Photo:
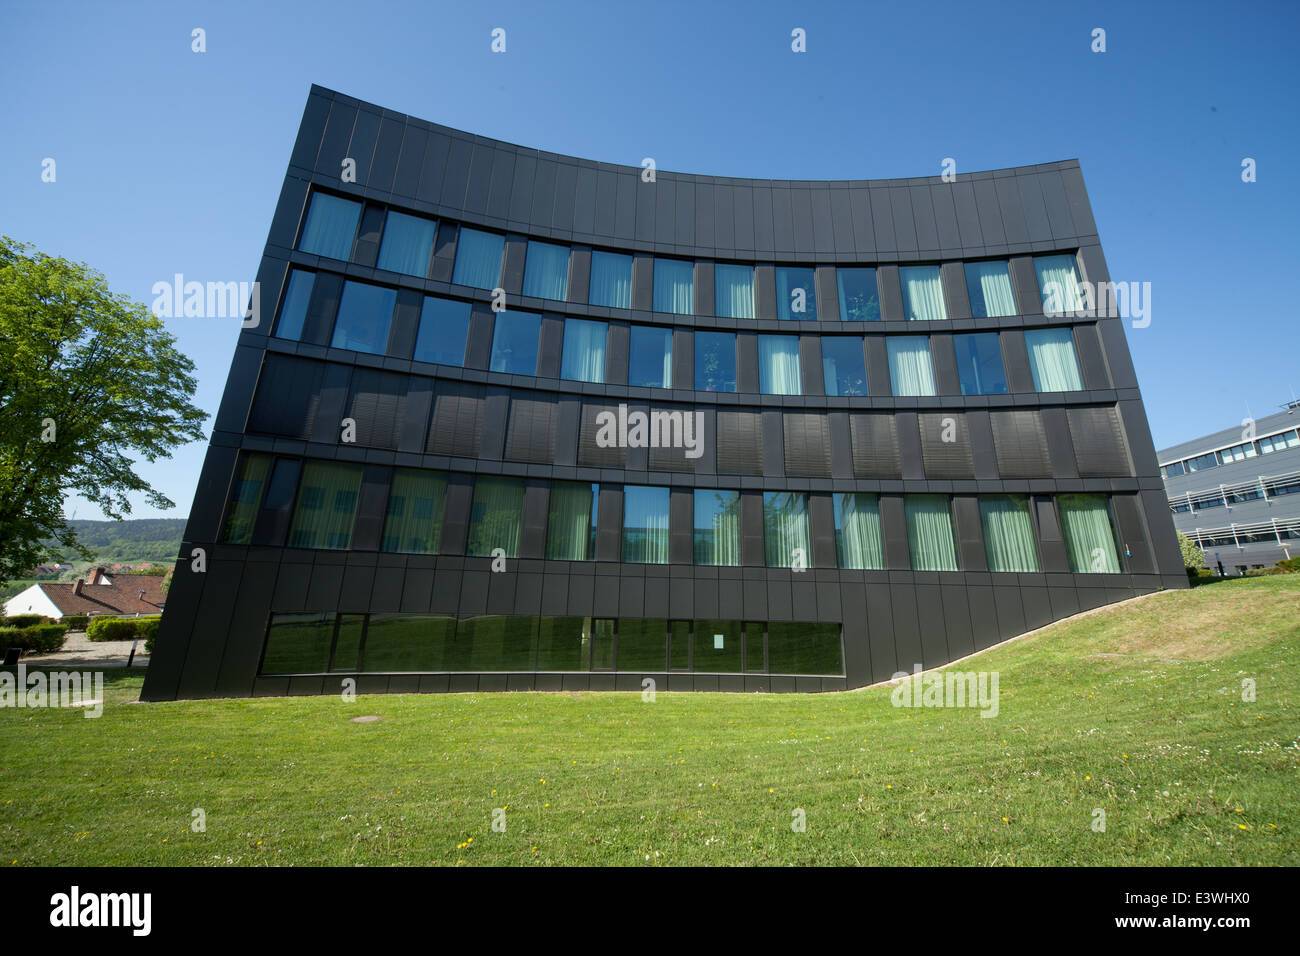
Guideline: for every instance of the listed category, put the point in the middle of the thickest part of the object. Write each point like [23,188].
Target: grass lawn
[1137,711]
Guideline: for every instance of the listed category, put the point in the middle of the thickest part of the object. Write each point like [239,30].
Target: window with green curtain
[245,499]
[444,331]
[796,293]
[650,357]
[778,365]
[546,271]
[910,369]
[611,280]
[1089,534]
[583,359]
[327,505]
[785,528]
[733,291]
[859,297]
[979,363]
[929,533]
[717,527]
[1052,360]
[414,521]
[571,524]
[514,342]
[408,244]
[1009,542]
[844,370]
[715,361]
[645,524]
[293,312]
[922,293]
[1058,283]
[857,532]
[495,516]
[989,286]
[298,644]
[331,226]
[365,312]
[674,286]
[478,259]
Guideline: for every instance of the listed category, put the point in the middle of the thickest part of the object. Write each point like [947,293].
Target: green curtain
[857,532]
[1008,533]
[327,506]
[245,498]
[1089,537]
[571,527]
[717,527]
[734,291]
[785,528]
[414,522]
[929,533]
[1052,361]
[1058,281]
[778,365]
[990,289]
[910,370]
[496,516]
[645,524]
[922,293]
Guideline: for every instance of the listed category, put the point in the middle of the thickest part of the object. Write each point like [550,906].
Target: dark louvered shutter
[875,445]
[530,436]
[1020,443]
[589,453]
[946,459]
[807,444]
[457,420]
[673,457]
[1099,446]
[288,393]
[740,443]
[378,405]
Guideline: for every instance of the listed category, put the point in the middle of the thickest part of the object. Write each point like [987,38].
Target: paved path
[79,652]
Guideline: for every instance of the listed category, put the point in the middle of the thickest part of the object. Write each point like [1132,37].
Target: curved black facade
[912,464]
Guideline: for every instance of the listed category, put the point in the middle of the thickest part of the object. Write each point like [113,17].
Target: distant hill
[131,541]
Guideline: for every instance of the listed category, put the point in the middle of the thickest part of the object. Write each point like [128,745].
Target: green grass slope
[1136,710]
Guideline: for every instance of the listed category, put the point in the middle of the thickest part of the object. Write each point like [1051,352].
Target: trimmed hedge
[26,620]
[120,628]
[75,622]
[42,639]
[150,633]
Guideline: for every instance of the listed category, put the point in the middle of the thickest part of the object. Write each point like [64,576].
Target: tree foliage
[1193,557]
[90,382]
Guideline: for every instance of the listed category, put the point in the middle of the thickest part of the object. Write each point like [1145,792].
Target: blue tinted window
[989,286]
[778,365]
[979,363]
[859,298]
[365,312]
[715,361]
[331,226]
[796,295]
[650,362]
[611,280]
[444,328]
[546,271]
[733,291]
[844,369]
[408,243]
[514,343]
[584,350]
[293,313]
[478,259]
[674,286]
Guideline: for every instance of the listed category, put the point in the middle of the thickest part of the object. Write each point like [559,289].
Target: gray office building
[513,420]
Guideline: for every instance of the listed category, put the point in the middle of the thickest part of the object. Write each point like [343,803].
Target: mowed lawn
[1136,711]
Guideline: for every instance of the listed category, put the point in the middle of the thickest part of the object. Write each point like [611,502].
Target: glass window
[679,646]
[397,643]
[478,259]
[796,293]
[1202,462]
[1278,442]
[298,644]
[444,330]
[715,361]
[645,524]
[495,642]
[733,288]
[1058,282]
[347,642]
[1174,470]
[365,312]
[583,359]
[785,529]
[495,516]
[514,342]
[717,527]
[1238,453]
[245,499]
[674,286]
[1089,535]
[755,655]
[611,280]
[327,506]
[922,293]
[331,226]
[910,369]
[979,363]
[1009,541]
[546,271]
[859,298]
[717,647]
[602,644]
[857,532]
[563,643]
[571,525]
[650,361]
[929,533]
[989,286]
[293,312]
[844,369]
[642,644]
[408,244]
[1052,360]
[803,647]
[414,521]
[778,365]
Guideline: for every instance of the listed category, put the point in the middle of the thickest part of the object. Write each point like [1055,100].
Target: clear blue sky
[170,161]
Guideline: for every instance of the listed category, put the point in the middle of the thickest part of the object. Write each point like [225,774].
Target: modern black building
[516,420]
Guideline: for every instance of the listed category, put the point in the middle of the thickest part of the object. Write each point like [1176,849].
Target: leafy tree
[1193,557]
[90,381]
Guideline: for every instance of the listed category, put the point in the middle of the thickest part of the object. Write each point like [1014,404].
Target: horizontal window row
[339,228]
[1226,456]
[1262,488]
[318,643]
[322,402]
[370,318]
[324,513]
[1277,532]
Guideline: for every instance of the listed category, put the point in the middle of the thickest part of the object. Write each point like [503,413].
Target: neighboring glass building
[521,421]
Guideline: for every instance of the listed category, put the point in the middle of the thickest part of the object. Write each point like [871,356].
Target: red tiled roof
[120,597]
